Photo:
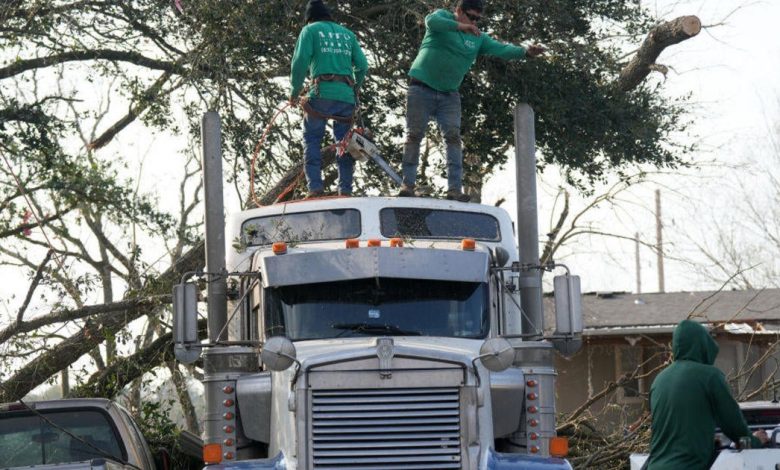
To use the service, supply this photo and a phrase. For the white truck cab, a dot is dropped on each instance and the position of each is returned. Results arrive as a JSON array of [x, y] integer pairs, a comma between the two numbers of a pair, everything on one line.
[[376, 333]]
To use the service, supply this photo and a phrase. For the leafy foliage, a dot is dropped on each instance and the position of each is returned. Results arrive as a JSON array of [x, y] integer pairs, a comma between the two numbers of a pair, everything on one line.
[[231, 55], [162, 433]]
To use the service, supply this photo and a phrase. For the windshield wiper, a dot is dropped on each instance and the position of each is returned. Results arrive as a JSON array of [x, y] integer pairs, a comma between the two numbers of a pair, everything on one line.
[[375, 328]]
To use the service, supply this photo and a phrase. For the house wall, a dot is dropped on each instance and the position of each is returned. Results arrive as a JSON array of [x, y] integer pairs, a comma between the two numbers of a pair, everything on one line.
[[589, 372], [603, 360]]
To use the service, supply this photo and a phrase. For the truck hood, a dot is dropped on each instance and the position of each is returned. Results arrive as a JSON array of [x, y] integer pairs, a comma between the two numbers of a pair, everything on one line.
[[462, 350], [298, 268]]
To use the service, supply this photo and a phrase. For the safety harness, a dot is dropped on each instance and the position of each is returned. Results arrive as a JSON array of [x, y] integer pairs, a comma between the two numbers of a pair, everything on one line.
[[307, 108]]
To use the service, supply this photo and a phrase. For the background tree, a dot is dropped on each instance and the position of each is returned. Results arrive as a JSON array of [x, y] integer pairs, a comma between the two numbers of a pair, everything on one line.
[[82, 78]]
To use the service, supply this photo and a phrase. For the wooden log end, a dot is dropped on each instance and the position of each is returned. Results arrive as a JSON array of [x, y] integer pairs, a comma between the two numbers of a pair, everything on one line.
[[691, 25]]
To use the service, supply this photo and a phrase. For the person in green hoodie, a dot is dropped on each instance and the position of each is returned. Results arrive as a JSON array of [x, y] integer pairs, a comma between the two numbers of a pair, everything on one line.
[[688, 400], [331, 56], [449, 48]]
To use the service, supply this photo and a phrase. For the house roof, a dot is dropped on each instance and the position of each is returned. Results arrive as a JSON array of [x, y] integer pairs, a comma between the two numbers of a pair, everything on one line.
[[622, 310]]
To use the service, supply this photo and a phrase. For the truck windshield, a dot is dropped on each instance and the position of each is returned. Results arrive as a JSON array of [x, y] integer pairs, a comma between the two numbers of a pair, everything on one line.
[[333, 224], [378, 307], [436, 223], [59, 437]]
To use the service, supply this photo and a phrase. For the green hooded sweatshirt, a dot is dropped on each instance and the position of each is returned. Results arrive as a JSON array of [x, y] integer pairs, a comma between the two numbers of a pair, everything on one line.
[[688, 400], [446, 54], [325, 48]]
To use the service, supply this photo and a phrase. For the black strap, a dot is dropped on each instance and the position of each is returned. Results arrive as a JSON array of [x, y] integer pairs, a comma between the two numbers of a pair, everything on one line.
[[313, 112], [330, 77]]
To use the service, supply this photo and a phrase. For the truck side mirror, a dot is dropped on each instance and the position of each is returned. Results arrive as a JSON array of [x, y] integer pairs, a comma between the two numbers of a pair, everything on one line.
[[568, 314], [496, 354], [501, 256], [185, 322], [278, 353]]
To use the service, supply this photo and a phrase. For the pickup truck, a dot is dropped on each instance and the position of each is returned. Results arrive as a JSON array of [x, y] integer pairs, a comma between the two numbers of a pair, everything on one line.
[[72, 434], [758, 415]]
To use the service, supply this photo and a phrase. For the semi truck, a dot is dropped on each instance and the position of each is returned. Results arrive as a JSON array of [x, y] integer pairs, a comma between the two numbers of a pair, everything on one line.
[[377, 332]]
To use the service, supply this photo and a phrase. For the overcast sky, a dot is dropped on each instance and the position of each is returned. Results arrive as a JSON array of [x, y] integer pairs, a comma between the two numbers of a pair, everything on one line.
[[731, 70]]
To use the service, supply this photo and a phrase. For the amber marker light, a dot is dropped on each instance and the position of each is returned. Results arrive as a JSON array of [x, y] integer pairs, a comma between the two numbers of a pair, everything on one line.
[[396, 243], [212, 453], [279, 248], [352, 243], [374, 242], [559, 446], [468, 244]]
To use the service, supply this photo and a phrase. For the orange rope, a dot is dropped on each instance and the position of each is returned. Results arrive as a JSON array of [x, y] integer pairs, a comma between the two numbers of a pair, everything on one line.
[[340, 148], [257, 151]]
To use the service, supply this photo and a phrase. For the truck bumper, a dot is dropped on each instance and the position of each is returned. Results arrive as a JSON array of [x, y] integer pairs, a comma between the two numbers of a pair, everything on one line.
[[276, 463], [499, 461], [495, 461]]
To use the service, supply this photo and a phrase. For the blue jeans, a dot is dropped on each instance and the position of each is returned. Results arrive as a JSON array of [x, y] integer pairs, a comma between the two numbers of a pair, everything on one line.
[[314, 131], [422, 104]]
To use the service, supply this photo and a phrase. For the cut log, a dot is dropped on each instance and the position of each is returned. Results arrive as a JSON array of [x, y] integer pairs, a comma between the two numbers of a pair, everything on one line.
[[658, 39]]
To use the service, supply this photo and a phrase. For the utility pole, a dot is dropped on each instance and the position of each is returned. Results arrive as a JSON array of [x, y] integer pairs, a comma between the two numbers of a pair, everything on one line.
[[659, 241], [638, 265]]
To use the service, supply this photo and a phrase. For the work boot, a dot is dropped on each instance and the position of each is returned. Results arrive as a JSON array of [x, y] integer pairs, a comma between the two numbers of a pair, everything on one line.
[[406, 191], [315, 194], [457, 195]]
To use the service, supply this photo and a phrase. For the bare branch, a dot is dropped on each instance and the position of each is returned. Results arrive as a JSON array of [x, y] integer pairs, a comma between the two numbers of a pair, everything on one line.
[[33, 285], [134, 58]]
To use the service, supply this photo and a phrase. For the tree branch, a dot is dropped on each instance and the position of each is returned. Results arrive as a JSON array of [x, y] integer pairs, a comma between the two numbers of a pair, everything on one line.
[[68, 351], [22, 227], [33, 285], [134, 58], [134, 112], [61, 316]]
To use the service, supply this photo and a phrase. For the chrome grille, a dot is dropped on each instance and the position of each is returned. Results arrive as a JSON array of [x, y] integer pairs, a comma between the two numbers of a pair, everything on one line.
[[406, 428]]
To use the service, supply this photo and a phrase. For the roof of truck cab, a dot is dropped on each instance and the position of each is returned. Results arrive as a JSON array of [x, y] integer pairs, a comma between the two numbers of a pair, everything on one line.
[[369, 208], [368, 203]]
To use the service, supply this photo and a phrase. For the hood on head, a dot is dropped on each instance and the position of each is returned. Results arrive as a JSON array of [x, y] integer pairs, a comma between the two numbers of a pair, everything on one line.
[[691, 342], [316, 10]]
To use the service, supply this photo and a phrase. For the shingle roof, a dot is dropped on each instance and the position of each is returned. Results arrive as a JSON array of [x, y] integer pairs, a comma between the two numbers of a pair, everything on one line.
[[624, 310]]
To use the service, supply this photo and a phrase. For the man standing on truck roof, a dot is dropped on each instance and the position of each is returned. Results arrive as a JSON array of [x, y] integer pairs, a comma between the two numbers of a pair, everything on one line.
[[688, 400], [451, 44], [331, 56]]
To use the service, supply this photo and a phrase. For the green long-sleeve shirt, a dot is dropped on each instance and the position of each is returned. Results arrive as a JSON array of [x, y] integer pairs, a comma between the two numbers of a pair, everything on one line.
[[323, 48], [688, 400], [446, 54]]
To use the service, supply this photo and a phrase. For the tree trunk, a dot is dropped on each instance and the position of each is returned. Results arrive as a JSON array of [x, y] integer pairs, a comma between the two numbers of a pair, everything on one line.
[[187, 408]]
